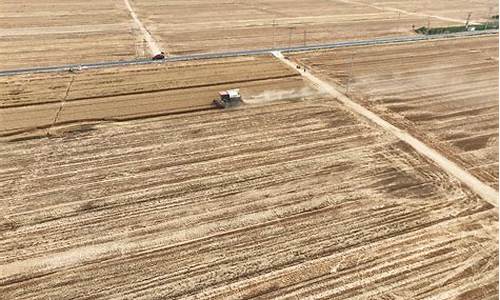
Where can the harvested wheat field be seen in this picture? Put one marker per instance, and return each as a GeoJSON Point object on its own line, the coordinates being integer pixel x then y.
{"type": "Point", "coordinates": [444, 92]}
{"type": "Point", "coordinates": [44, 33]}
{"type": "Point", "coordinates": [288, 196]}
{"type": "Point", "coordinates": [183, 27]}
{"type": "Point", "coordinates": [451, 10]}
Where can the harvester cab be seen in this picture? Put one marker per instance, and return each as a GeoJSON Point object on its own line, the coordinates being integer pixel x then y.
{"type": "Point", "coordinates": [229, 98]}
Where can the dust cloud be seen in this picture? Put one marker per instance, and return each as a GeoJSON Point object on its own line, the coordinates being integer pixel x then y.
{"type": "Point", "coordinates": [280, 95]}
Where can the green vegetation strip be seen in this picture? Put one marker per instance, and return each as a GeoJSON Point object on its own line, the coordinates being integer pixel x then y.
{"type": "Point", "coordinates": [452, 29]}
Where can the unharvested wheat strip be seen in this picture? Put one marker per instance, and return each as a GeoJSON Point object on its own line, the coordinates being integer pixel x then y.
{"type": "Point", "coordinates": [486, 192]}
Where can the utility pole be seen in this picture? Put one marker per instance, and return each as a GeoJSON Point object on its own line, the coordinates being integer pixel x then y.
{"type": "Point", "coordinates": [467, 21]}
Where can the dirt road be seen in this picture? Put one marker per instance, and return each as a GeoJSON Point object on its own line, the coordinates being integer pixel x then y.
{"type": "Point", "coordinates": [486, 192]}
{"type": "Point", "coordinates": [153, 46]}
{"type": "Point", "coordinates": [447, 98]}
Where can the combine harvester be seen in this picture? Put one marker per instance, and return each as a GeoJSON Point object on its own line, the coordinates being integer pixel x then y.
{"type": "Point", "coordinates": [228, 98]}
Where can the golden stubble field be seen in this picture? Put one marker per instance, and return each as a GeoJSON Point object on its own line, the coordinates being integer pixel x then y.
{"type": "Point", "coordinates": [445, 92]}
{"type": "Point", "coordinates": [217, 25]}
{"type": "Point", "coordinates": [46, 33]}
{"type": "Point", "coordinates": [284, 197]}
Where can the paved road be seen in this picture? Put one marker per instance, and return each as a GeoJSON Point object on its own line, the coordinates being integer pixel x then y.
{"type": "Point", "coordinates": [268, 51]}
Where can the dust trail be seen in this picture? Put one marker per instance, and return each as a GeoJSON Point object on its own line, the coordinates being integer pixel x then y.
{"type": "Point", "coordinates": [154, 48]}
{"type": "Point", "coordinates": [280, 95]}
{"type": "Point", "coordinates": [483, 190]}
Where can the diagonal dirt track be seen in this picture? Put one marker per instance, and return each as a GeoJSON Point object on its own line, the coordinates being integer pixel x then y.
{"type": "Point", "coordinates": [153, 46]}
{"type": "Point", "coordinates": [446, 98]}
{"type": "Point", "coordinates": [486, 192]}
